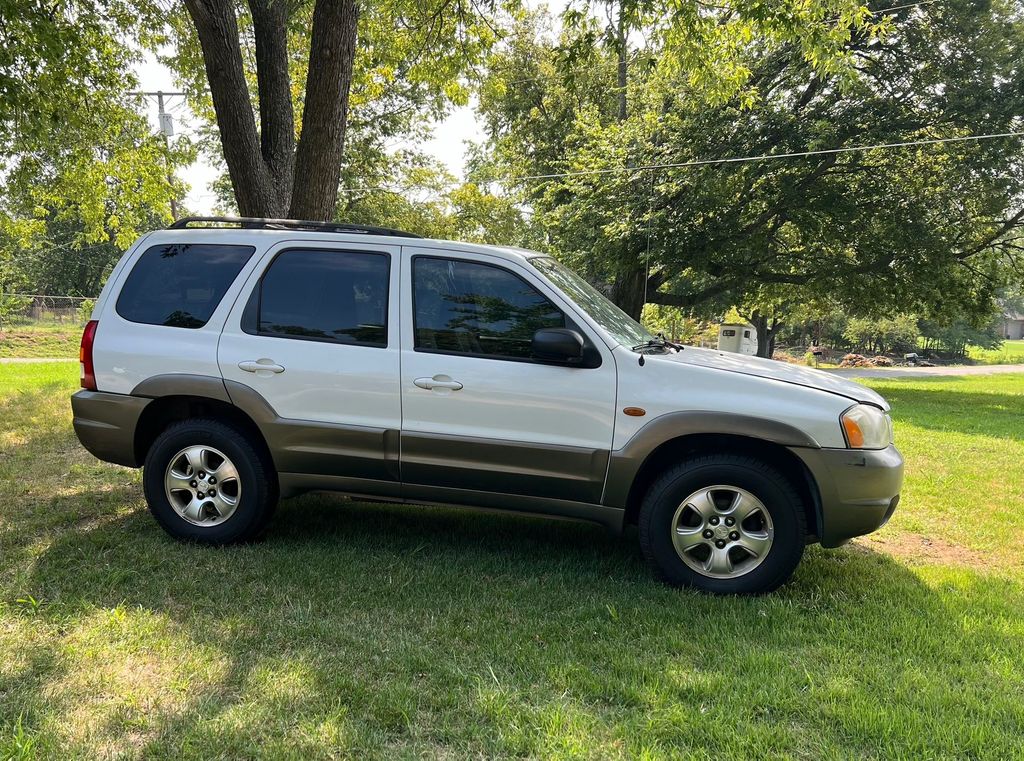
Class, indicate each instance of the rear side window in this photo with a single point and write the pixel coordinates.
(322, 295)
(478, 309)
(180, 284)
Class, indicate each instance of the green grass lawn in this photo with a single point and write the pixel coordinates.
(374, 631)
(45, 340)
(1011, 352)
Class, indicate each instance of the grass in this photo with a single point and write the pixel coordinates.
(50, 340)
(1009, 353)
(373, 631)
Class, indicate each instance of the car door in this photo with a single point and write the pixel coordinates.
(479, 415)
(310, 351)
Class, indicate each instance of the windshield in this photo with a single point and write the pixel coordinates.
(617, 323)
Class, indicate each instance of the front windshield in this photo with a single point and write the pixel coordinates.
(619, 325)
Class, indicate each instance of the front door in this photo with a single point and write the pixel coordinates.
(310, 351)
(479, 415)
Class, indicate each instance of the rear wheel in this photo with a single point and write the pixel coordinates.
(723, 523)
(204, 482)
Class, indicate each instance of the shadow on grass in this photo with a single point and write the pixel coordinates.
(395, 630)
(944, 409)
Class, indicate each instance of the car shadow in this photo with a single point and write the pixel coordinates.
(394, 621)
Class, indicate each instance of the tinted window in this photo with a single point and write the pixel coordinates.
(180, 284)
(477, 309)
(326, 296)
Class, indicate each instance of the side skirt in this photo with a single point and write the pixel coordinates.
(612, 518)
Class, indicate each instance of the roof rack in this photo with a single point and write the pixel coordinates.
(262, 223)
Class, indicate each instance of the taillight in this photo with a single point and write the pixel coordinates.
(85, 355)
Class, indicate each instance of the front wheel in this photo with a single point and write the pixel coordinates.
(727, 524)
(204, 482)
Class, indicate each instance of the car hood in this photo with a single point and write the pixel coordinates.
(774, 370)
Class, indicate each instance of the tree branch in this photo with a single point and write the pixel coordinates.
(328, 83)
(277, 119)
(217, 28)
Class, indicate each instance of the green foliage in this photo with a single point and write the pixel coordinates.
(675, 325)
(882, 336)
(954, 337)
(10, 306)
(72, 143)
(921, 229)
(85, 310)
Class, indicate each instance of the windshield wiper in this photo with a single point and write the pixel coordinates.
(659, 342)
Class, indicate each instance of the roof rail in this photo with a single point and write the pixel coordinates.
(262, 223)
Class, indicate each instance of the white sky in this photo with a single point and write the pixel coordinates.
(448, 143)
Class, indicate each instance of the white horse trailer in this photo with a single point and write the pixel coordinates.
(740, 339)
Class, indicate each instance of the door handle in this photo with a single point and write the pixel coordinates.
(438, 382)
(260, 365)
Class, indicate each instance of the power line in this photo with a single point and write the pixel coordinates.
(706, 162)
(750, 159)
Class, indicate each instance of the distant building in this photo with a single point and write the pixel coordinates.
(1013, 324)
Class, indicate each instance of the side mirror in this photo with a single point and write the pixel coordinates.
(559, 345)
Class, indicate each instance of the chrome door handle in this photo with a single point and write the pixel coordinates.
(438, 382)
(260, 365)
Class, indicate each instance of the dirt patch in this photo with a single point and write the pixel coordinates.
(918, 547)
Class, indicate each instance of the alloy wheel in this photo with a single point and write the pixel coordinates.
(722, 531)
(202, 485)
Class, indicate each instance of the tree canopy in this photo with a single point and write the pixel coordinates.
(924, 228)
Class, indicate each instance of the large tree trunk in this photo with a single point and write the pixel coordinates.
(277, 118)
(318, 161)
(218, 35)
(767, 328)
(270, 176)
(628, 290)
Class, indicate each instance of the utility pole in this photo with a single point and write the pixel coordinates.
(167, 129)
(166, 124)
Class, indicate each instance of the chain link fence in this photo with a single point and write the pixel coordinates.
(33, 309)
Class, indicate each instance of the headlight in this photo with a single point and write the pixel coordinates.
(867, 427)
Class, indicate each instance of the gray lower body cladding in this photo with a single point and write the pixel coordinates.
(859, 489)
(106, 423)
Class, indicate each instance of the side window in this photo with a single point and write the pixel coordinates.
(478, 309)
(322, 295)
(180, 284)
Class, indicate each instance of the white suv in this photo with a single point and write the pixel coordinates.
(243, 360)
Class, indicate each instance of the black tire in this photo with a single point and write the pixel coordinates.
(776, 493)
(258, 496)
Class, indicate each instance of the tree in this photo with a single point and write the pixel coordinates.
(285, 167)
(922, 229)
(73, 144)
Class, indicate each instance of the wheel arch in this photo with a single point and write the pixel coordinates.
(636, 473)
(172, 408)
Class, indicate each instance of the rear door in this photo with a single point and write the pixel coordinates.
(478, 414)
(311, 348)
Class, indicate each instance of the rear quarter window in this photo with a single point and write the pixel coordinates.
(180, 284)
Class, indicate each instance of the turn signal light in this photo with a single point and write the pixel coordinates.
(854, 435)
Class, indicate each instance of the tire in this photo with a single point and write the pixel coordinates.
(682, 504)
(247, 499)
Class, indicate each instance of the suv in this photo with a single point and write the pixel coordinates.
(243, 360)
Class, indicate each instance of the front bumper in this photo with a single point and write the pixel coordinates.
(105, 424)
(859, 489)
